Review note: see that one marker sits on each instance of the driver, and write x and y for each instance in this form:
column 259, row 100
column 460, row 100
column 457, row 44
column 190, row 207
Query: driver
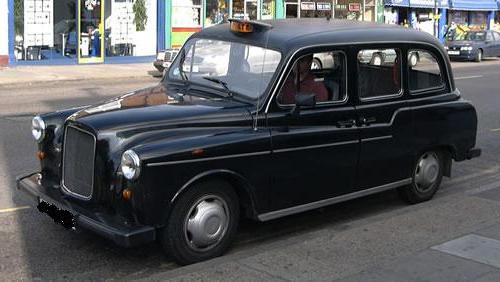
column 302, row 80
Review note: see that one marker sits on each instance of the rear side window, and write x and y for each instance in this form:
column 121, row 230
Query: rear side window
column 379, row 73
column 424, row 71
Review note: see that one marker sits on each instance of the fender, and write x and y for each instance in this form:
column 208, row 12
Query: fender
column 241, row 185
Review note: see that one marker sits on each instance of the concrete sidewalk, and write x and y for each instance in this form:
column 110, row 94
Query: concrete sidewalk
column 46, row 74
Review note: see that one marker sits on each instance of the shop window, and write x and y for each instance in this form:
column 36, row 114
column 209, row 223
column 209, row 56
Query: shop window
column 424, row 72
column 315, row 9
column 246, row 9
column 379, row 73
column 130, row 27
column 216, row 12
column 186, row 13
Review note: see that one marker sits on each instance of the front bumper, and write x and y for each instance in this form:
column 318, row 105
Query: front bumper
column 158, row 64
column 119, row 232
column 464, row 55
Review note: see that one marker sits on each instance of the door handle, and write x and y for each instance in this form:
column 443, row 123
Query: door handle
column 346, row 123
column 367, row 121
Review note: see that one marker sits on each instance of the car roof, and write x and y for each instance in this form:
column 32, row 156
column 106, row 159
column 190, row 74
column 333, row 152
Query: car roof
column 287, row 35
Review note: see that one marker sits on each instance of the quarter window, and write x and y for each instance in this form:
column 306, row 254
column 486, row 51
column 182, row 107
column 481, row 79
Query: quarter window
column 379, row 73
column 322, row 74
column 424, row 71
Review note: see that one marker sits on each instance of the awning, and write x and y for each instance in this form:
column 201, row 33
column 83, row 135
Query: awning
column 474, row 5
column 417, row 3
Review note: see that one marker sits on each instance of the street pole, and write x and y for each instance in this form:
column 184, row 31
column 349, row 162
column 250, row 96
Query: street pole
column 363, row 10
column 435, row 18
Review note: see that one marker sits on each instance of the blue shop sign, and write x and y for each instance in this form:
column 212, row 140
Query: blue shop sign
column 417, row 3
column 474, row 5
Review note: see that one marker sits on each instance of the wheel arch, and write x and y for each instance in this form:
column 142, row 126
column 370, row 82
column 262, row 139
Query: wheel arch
column 239, row 183
column 449, row 153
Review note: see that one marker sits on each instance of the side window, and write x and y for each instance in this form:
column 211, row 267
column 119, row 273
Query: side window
column 379, row 73
column 323, row 74
column 424, row 72
column 497, row 35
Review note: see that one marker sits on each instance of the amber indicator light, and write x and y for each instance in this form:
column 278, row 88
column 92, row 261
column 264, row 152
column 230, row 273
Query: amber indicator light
column 198, row 152
column 244, row 27
column 127, row 194
column 40, row 155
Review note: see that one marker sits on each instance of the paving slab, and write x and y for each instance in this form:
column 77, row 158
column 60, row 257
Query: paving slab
column 474, row 247
column 428, row 265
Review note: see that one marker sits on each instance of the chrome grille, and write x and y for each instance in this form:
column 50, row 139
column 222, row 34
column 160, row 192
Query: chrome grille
column 78, row 162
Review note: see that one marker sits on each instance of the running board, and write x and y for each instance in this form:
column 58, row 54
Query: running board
column 331, row 201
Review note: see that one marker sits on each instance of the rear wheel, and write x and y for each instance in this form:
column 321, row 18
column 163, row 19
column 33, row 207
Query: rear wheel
column 202, row 224
column 427, row 176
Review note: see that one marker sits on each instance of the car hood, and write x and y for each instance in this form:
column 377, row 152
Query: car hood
column 156, row 106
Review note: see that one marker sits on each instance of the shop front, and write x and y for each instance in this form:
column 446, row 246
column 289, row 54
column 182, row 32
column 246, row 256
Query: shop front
column 477, row 14
column 189, row 16
column 418, row 14
column 83, row 31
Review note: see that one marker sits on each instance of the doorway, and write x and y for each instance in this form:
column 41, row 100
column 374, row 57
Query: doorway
column 291, row 10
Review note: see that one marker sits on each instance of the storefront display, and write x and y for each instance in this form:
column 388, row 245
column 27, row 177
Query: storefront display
column 130, row 27
column 308, row 9
column 216, row 12
column 83, row 31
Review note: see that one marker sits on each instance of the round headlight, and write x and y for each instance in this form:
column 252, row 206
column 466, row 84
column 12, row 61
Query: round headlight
column 130, row 165
column 38, row 128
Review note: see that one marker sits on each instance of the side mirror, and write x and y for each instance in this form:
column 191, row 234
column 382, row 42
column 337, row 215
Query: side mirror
column 303, row 100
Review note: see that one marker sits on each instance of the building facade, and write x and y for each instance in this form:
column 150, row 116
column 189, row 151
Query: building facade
column 436, row 16
column 117, row 31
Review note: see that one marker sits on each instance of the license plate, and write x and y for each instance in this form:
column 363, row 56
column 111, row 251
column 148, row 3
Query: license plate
column 453, row 52
column 61, row 216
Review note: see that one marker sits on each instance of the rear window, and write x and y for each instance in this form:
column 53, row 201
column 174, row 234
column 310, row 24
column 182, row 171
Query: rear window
column 424, row 71
column 379, row 73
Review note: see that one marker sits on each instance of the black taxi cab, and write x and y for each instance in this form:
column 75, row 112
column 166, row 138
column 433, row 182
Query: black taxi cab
column 243, row 125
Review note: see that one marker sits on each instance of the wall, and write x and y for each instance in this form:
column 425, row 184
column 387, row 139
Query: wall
column 4, row 33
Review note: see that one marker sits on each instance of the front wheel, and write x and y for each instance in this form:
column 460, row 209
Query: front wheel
column 479, row 56
column 427, row 176
column 202, row 224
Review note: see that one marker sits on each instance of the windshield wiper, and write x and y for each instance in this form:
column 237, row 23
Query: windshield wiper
column 222, row 83
column 229, row 93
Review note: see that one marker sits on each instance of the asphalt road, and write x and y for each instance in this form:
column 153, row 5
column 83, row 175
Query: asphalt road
column 345, row 241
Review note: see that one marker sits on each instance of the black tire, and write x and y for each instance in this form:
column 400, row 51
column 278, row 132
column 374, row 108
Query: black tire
column 415, row 192
column 479, row 56
column 175, row 236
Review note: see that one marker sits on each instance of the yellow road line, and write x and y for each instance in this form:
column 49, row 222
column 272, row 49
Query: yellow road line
column 14, row 209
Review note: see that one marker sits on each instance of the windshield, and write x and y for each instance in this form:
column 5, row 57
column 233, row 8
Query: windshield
column 245, row 70
column 472, row 36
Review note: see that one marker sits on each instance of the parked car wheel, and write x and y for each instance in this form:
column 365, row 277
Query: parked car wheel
column 202, row 224
column 479, row 56
column 316, row 64
column 413, row 60
column 377, row 59
column 427, row 176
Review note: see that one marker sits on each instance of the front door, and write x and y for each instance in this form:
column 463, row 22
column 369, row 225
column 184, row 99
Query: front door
column 90, row 31
column 291, row 10
column 314, row 150
column 383, row 119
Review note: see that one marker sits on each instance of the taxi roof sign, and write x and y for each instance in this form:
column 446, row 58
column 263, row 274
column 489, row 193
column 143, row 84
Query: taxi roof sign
column 244, row 26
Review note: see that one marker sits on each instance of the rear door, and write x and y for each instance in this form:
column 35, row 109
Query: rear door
column 383, row 118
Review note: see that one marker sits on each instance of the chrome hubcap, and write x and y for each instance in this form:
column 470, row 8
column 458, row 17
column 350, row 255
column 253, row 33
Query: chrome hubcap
column 206, row 223
column 427, row 171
